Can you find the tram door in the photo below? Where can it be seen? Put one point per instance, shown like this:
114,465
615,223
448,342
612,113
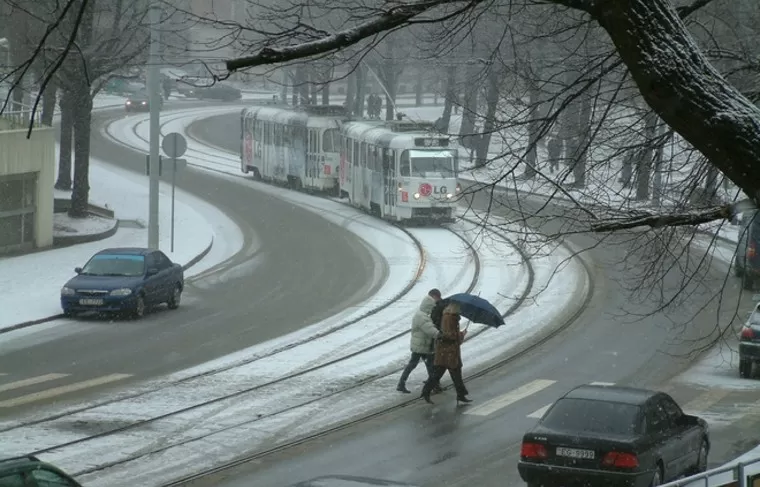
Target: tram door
389,182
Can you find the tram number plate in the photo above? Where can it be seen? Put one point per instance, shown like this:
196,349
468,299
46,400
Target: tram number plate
91,302
575,453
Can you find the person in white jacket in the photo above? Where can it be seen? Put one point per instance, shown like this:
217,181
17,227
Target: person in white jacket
423,338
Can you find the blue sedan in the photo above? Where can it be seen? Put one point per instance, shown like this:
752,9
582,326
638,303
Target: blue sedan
124,280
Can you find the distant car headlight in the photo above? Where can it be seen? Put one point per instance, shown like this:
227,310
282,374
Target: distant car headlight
129,103
121,292
449,196
67,291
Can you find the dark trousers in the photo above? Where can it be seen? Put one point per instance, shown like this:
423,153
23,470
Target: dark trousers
435,379
414,360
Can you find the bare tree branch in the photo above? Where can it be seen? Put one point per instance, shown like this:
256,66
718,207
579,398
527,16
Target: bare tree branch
646,219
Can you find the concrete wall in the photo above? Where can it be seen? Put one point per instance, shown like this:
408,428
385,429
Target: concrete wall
37,154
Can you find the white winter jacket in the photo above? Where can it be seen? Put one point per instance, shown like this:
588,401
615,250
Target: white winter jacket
424,331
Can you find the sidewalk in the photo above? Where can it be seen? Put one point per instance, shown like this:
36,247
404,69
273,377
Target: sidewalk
30,284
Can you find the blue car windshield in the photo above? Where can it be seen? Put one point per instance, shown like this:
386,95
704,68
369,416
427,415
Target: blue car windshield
115,265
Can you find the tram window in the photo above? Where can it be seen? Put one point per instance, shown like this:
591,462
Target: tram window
363,154
356,153
388,159
405,170
330,140
376,159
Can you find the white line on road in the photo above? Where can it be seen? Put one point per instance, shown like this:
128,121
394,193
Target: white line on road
606,384
31,381
500,402
539,412
57,391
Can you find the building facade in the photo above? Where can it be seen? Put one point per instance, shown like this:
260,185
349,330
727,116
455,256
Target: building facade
27,173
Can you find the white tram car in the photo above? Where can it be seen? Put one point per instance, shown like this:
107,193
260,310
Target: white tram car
295,147
399,171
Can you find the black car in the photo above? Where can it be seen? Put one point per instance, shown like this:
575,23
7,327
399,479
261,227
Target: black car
747,260
140,102
749,343
30,471
349,481
610,435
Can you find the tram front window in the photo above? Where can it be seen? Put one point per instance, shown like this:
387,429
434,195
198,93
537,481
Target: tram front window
430,164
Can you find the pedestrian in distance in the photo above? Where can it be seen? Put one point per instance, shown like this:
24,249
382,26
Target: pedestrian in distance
422,341
448,355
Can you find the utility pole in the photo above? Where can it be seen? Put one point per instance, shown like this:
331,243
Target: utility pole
153,99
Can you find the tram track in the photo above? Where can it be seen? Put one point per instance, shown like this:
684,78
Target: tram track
161,444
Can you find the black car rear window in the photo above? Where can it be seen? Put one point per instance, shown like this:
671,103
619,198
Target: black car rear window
592,416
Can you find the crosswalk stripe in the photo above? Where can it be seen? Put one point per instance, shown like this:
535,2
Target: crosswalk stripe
705,400
500,402
606,384
57,391
540,412
31,381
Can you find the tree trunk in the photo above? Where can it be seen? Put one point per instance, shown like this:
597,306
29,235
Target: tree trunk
489,125
451,95
469,112
49,99
711,184
361,85
568,122
284,91
326,94
64,157
683,88
350,90
646,156
314,88
657,189
534,131
582,141
418,89
82,119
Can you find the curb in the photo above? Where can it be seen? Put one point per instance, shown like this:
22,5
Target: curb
69,240
39,321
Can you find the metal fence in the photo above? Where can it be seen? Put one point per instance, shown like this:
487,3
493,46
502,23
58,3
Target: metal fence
19,116
736,474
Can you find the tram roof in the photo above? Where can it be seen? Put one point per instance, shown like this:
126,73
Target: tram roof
379,134
287,116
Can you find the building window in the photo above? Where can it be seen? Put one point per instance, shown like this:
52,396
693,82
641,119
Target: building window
18,195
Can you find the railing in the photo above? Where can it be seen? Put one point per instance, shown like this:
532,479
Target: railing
19,118
734,474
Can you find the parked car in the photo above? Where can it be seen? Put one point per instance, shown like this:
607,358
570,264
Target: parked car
349,481
30,471
124,280
749,342
747,260
140,102
613,435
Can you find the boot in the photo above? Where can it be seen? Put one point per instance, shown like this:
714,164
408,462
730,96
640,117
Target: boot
437,390
402,388
426,396
463,399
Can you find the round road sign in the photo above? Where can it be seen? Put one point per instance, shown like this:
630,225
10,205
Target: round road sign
174,145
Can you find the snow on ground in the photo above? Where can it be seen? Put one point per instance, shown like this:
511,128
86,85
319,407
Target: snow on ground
719,369
252,422
64,225
32,282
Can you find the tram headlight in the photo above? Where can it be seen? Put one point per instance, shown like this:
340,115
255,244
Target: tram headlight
449,196
416,196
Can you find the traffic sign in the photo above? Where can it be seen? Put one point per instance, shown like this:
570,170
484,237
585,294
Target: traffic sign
174,145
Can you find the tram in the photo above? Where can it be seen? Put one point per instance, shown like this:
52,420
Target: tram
399,170
297,147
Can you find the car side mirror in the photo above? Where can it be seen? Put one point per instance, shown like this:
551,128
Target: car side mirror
78,270
151,272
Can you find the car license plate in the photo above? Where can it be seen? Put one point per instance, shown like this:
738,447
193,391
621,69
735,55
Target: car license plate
91,302
575,453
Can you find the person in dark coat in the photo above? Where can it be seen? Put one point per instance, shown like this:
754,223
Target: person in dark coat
448,355
554,150
437,313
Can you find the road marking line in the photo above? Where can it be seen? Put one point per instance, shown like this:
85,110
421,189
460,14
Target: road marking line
607,384
510,397
705,400
57,391
31,381
540,412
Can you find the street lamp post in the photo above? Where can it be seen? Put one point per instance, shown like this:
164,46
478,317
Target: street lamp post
154,101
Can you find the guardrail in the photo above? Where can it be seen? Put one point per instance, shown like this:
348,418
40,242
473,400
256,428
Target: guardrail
734,474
